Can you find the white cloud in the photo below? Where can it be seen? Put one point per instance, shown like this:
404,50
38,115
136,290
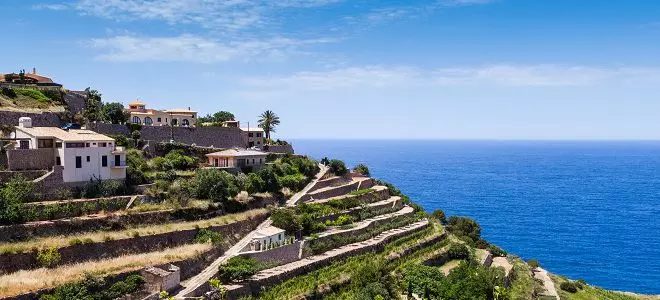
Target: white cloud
190,48
495,75
59,6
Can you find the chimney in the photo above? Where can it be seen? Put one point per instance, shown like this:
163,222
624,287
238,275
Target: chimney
34,71
25,122
188,107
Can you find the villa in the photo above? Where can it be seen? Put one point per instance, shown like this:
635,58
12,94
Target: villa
267,237
237,158
140,114
80,154
28,78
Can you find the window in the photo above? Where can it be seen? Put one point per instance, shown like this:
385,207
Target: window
258,142
44,143
87,158
136,120
25,145
185,122
260,161
87,145
93,144
109,144
250,134
103,145
159,120
117,160
258,134
58,144
148,121
253,161
75,145
78,162
58,161
104,161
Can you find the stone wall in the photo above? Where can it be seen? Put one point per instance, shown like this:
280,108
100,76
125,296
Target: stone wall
30,159
77,207
278,256
332,181
278,149
334,192
47,119
29,175
355,212
75,101
218,137
114,248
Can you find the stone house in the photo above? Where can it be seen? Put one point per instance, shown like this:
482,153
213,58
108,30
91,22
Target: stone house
254,137
140,114
80,154
266,238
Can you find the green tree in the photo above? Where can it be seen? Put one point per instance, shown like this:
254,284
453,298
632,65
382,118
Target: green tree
268,121
94,107
439,215
338,167
17,191
218,117
136,165
238,268
464,226
362,169
114,113
286,219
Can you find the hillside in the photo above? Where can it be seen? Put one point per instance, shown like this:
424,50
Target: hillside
31,100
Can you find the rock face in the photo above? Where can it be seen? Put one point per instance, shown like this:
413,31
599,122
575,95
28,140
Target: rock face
75,101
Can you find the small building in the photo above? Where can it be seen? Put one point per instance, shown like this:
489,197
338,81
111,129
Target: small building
266,238
81,154
28,78
140,114
254,137
158,279
237,158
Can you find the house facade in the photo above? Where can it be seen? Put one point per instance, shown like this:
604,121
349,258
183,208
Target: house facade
82,154
266,238
28,78
237,158
254,137
140,114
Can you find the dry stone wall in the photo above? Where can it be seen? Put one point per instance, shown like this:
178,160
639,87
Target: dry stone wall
30,159
279,256
29,175
218,137
48,119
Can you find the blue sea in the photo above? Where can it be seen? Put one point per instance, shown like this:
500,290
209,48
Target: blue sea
587,210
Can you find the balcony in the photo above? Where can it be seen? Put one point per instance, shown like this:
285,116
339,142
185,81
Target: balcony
118,164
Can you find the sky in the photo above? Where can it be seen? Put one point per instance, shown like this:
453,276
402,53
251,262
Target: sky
342,69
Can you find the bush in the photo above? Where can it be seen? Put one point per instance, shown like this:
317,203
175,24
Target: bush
338,167
458,251
238,268
439,215
135,167
206,235
286,219
178,160
533,263
294,182
569,287
256,184
34,94
53,95
497,251
48,257
12,196
340,221
159,163
9,92
464,226
362,169
120,140
215,184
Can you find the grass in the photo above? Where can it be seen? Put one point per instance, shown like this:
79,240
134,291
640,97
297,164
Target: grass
594,293
24,281
361,192
100,236
145,207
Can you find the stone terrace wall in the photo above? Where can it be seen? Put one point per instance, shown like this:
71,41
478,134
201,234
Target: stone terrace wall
355,212
75,101
29,175
332,181
30,159
279,149
281,255
114,248
218,137
48,119
339,190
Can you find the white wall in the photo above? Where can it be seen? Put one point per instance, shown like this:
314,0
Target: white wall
92,168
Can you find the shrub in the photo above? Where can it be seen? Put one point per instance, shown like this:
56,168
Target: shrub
362,169
12,196
340,221
9,92
34,94
75,241
48,257
269,178
206,235
256,183
458,251
178,160
497,251
120,140
53,95
135,135
286,219
338,167
533,263
136,165
569,287
159,163
439,215
238,268
581,283
464,226
481,244
294,182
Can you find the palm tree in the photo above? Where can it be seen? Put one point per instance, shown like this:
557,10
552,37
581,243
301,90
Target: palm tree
268,121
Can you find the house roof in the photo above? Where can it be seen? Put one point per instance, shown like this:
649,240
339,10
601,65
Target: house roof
238,152
137,102
71,135
37,77
268,231
253,129
179,110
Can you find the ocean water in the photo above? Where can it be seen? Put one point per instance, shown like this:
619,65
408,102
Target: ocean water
587,210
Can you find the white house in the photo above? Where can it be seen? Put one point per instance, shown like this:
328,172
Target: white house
237,158
266,238
83,154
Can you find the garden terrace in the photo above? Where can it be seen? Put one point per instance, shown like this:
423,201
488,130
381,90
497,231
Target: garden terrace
371,194
77,248
23,282
355,184
331,182
367,211
63,209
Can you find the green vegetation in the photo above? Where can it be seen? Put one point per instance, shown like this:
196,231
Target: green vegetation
533,263
287,219
217,118
174,160
340,221
94,108
580,290
362,169
95,288
48,257
114,113
34,94
337,167
136,165
361,192
205,235
458,251
268,121
238,268
12,196
439,215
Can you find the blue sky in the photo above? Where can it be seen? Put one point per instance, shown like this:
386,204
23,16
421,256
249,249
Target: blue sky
431,69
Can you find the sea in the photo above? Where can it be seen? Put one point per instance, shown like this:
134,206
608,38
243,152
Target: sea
585,210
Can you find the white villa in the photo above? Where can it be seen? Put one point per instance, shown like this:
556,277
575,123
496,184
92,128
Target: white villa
83,154
266,238
140,114
237,158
